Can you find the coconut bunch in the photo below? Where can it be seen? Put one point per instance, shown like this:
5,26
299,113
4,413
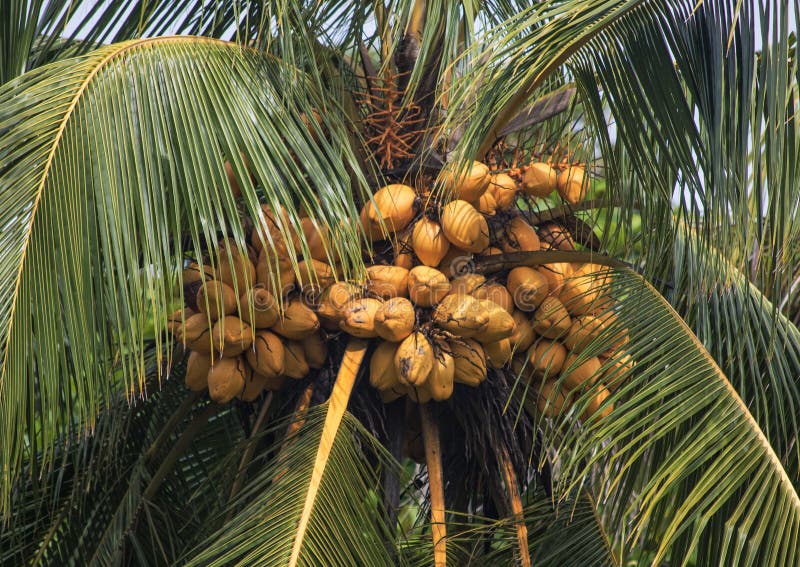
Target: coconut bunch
242,344
541,179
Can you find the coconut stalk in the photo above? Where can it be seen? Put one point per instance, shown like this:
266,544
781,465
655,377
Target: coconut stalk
337,405
515,501
433,460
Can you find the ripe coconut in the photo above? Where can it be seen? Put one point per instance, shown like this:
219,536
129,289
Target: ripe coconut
390,210
194,272
598,405
226,378
427,286
586,289
359,318
195,333
579,371
464,226
496,292
197,366
500,325
470,361
318,239
462,315
429,242
466,284
234,267
313,276
280,283
546,358
504,190
584,330
467,182
267,355
571,184
382,371
538,179
259,383
297,321
556,274
259,308
486,205
334,302
315,350
551,319
420,394
556,236
616,369
394,320
519,236
403,257
551,401
414,359
276,228
456,262
528,287
387,281
523,335
295,365
440,381
231,336
216,299
498,353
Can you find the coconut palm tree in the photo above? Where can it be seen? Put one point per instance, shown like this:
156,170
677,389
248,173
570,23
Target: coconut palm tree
122,128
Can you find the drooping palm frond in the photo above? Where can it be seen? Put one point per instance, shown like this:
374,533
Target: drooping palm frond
106,159
680,457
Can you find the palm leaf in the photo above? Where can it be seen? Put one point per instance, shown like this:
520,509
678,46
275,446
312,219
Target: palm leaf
106,160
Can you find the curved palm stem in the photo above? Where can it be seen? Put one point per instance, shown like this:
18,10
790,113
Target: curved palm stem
433,460
512,487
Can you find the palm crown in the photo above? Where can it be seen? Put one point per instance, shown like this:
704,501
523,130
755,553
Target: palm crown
129,154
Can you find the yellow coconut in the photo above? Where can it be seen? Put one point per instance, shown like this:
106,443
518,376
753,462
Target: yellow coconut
197,366
390,210
315,350
571,184
259,383
462,315
464,226
546,358
616,369
598,405
359,318
466,284
586,289
226,378
318,239
231,336
500,326
497,293
195,333
382,371
470,361
429,242
523,335
558,237
440,381
491,251
456,262
419,394
551,400
403,257
267,355
520,236
297,321
551,319
504,190
234,267
276,228
584,330
528,287
498,353
194,272
216,299
259,308
579,372
313,276
486,205
387,281
295,366
334,302
427,286
414,359
538,179
395,319
466,182
556,274
280,283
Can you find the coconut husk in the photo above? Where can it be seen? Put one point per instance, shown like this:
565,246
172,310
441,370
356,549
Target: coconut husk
387,281
462,315
395,319
464,226
538,179
197,366
414,359
231,336
315,349
429,242
470,361
528,287
359,318
267,355
195,333
296,366
227,378
551,319
427,286
297,321
504,190
546,358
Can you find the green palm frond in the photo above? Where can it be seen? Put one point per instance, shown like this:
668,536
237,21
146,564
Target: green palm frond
347,525
106,161
680,456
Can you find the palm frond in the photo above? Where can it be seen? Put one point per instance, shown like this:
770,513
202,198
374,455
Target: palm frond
106,160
